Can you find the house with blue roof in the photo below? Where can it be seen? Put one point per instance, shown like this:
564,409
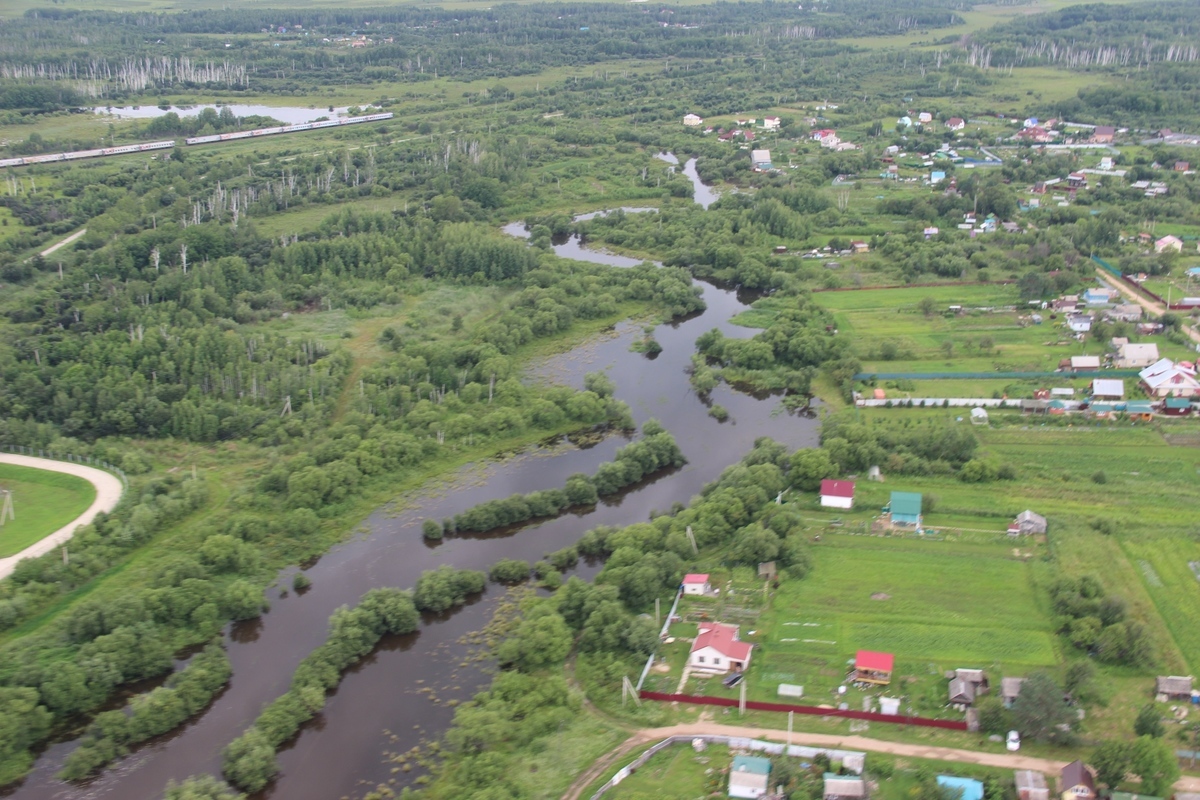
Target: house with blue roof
970,788
905,509
748,776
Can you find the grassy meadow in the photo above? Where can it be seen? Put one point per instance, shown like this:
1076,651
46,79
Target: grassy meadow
43,502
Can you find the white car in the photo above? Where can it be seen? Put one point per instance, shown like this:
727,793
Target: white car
1013,742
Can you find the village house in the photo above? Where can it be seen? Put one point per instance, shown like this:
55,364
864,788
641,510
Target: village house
924,117
696,583
1078,783
1098,296
956,123
1108,389
844,787
692,120
872,667
1168,242
1080,323
1136,356
1173,687
1103,134
771,123
749,776
1124,312
966,685
760,160
1027,523
718,649
1031,785
1165,378
904,510
837,494
1068,302
860,247
1084,363
1010,690
1077,180
1036,134
1182,166
930,232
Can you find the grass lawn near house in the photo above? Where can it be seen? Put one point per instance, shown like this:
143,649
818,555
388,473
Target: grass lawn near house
677,772
43,501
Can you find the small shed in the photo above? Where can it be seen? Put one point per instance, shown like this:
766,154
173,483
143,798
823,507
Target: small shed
1177,406
979,416
844,787
970,788
1028,522
966,685
837,494
696,583
1079,363
1108,389
748,777
1031,785
1010,690
1174,687
873,667
905,509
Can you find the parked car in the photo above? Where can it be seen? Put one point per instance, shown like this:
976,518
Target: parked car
733,680
1013,743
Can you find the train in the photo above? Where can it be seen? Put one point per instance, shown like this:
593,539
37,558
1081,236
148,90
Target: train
50,158
304,126
75,155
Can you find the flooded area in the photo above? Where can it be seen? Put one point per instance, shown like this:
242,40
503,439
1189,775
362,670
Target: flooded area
384,704
288,115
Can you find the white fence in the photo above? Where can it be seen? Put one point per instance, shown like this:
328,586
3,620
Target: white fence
851,759
71,457
939,402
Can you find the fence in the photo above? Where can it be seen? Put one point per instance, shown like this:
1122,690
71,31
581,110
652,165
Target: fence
70,457
815,711
912,286
851,759
917,376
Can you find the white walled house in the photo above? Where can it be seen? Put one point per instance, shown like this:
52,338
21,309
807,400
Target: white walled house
696,583
718,649
692,120
837,494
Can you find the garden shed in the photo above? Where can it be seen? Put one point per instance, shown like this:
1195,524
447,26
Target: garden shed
872,667
748,776
1029,522
1174,687
1031,785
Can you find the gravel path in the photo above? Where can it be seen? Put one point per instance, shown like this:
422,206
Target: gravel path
108,494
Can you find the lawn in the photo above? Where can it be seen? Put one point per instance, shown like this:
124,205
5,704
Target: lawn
674,772
44,502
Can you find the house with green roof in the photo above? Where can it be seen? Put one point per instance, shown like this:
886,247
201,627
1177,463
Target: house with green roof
749,775
905,509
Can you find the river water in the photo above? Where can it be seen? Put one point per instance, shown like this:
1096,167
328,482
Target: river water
395,699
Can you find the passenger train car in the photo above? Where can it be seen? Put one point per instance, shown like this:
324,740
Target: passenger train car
75,155
304,126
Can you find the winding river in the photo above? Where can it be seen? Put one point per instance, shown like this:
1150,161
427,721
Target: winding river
396,698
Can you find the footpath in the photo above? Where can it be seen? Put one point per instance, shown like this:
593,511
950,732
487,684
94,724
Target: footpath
108,494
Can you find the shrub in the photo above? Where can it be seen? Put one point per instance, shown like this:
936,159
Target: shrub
431,529
509,570
300,581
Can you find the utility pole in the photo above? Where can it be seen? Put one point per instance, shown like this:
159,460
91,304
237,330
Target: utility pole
742,702
6,508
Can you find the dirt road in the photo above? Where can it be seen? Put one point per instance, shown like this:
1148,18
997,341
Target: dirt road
647,736
1147,304
108,494
64,242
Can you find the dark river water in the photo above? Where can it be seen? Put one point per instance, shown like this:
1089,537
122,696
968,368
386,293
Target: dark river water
395,699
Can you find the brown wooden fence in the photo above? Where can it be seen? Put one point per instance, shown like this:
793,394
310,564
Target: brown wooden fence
816,711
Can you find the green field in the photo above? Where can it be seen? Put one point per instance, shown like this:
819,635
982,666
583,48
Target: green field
43,501
675,772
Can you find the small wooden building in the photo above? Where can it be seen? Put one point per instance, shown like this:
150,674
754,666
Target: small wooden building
1174,687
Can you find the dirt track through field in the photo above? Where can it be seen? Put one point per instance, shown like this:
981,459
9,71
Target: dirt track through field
108,494
647,736
1149,305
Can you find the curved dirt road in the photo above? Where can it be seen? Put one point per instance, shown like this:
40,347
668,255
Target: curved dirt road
1146,303
108,494
647,736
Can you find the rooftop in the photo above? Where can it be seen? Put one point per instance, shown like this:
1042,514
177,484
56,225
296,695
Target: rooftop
906,503
723,639
874,662
696,577
837,488
971,789
756,765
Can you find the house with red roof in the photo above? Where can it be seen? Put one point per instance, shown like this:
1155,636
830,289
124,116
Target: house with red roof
718,649
696,583
873,667
837,494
